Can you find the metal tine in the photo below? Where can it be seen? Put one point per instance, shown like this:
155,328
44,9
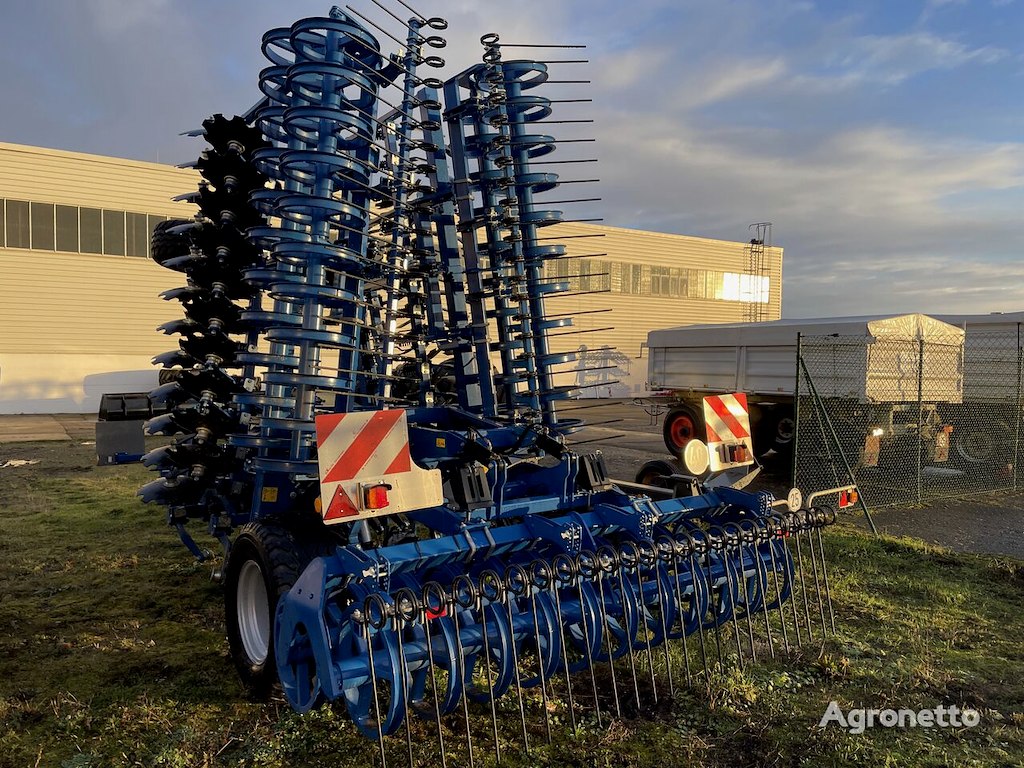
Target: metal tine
753,533
605,561
625,624
663,556
367,620
643,555
676,551
701,613
456,605
375,25
809,525
537,583
772,532
719,543
565,651
786,526
406,606
487,670
824,520
434,590
713,598
537,45
432,41
573,565
796,528
741,584
505,596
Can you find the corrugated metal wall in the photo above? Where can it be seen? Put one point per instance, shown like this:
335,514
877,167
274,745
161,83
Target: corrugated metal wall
71,323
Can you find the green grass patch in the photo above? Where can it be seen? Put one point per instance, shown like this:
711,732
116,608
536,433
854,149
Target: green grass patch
112,653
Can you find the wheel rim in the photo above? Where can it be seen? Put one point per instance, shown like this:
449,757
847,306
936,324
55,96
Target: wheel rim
975,447
253,612
681,430
784,429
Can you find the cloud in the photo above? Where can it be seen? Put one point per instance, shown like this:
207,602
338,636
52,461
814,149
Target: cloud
890,60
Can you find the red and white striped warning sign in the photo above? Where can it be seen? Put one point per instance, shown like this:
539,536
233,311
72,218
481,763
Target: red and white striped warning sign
728,427
366,469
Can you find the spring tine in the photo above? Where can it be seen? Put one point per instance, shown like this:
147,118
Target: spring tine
741,584
540,664
803,584
785,527
778,589
682,617
432,589
814,567
732,599
629,640
646,630
518,679
608,636
824,574
589,656
700,620
454,607
565,655
664,636
762,588
715,606
490,685
373,682
399,624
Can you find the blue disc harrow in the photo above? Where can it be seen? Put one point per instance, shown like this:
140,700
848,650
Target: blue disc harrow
369,413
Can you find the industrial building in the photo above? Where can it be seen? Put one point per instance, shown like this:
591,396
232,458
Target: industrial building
79,302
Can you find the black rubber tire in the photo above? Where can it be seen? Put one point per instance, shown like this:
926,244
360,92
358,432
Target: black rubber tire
679,422
651,471
281,552
164,245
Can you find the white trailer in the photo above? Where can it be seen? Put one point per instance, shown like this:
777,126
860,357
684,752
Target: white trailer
759,359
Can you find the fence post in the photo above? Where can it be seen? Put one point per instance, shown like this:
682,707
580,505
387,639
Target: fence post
835,440
796,410
920,412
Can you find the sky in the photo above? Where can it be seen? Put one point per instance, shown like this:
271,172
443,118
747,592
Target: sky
884,139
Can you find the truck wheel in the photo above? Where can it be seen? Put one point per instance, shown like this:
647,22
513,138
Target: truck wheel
264,562
166,245
681,425
975,446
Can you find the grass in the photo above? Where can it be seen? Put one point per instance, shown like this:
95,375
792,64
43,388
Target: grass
112,654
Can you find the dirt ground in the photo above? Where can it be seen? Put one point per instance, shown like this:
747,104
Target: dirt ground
627,436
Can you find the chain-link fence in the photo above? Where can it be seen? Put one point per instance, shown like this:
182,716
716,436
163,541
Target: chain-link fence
910,419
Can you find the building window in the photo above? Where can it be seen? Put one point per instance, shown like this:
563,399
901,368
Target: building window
91,224
42,226
113,233
3,228
746,288
67,228
16,219
138,235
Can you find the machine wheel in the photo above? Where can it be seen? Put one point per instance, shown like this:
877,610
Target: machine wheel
265,560
682,424
166,245
653,470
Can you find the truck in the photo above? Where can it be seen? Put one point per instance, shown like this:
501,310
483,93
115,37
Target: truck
986,426
879,387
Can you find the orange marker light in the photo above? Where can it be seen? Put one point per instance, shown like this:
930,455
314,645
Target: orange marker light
376,496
